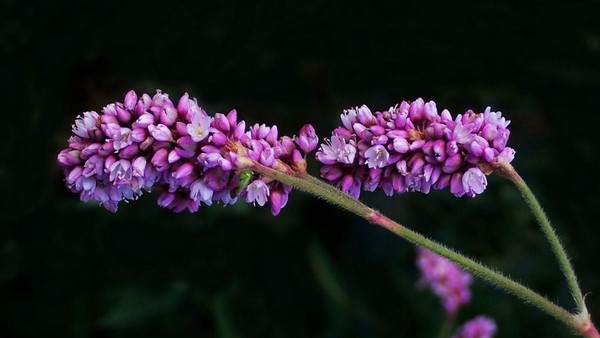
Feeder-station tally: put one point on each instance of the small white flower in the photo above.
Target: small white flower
(377, 156)
(199, 127)
(200, 191)
(336, 151)
(257, 192)
(86, 125)
(474, 182)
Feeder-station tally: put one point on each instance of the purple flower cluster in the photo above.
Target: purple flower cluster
(445, 279)
(478, 327)
(148, 143)
(412, 147)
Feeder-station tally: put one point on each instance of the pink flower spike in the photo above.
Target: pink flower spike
(146, 143)
(445, 279)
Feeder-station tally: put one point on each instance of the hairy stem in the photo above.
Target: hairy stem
(559, 251)
(325, 191)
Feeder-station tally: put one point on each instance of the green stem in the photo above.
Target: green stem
(559, 251)
(327, 192)
(446, 328)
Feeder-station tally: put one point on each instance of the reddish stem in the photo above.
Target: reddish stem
(588, 330)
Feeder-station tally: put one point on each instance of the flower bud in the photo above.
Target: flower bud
(307, 138)
(130, 100)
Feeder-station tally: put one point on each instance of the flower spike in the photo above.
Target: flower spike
(412, 147)
(147, 143)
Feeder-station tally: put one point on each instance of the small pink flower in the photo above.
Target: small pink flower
(478, 327)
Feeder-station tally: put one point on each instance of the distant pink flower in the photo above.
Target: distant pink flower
(479, 327)
(445, 279)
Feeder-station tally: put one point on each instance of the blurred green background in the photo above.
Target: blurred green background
(68, 269)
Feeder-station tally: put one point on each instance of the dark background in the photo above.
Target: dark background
(68, 269)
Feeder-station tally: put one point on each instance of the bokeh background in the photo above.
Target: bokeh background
(68, 269)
